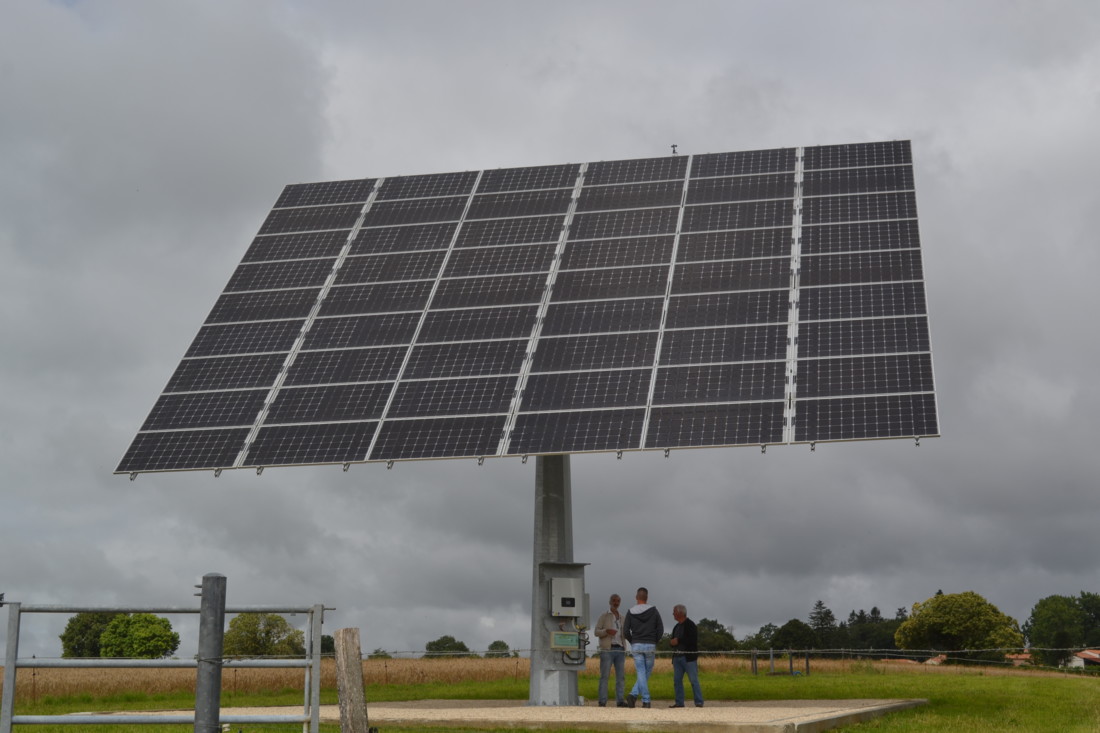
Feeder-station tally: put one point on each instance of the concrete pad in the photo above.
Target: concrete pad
(755, 716)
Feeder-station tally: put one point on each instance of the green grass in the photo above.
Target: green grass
(966, 700)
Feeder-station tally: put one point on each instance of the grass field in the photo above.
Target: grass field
(965, 699)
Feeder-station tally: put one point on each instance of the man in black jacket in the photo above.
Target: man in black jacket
(685, 657)
(643, 629)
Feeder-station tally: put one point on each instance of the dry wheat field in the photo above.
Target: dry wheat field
(39, 683)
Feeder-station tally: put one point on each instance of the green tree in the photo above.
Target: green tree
(497, 649)
(328, 644)
(1090, 605)
(81, 635)
(1056, 624)
(762, 639)
(380, 653)
(446, 645)
(138, 636)
(795, 635)
(960, 622)
(823, 622)
(714, 637)
(263, 635)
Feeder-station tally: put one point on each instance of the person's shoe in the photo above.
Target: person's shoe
(620, 705)
(698, 704)
(675, 706)
(645, 704)
(603, 704)
(631, 699)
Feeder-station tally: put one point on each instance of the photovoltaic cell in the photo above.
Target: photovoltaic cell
(466, 359)
(412, 211)
(453, 397)
(353, 332)
(605, 351)
(750, 215)
(720, 383)
(523, 203)
(296, 246)
(860, 237)
(346, 365)
(744, 162)
(279, 275)
(375, 240)
(263, 304)
(861, 207)
(861, 267)
(857, 180)
(636, 171)
(638, 314)
(380, 268)
(433, 184)
(709, 277)
(751, 423)
(331, 403)
(774, 242)
(311, 218)
(293, 445)
(576, 432)
(494, 290)
(864, 336)
(580, 390)
(513, 258)
(741, 188)
(438, 437)
(714, 345)
(861, 418)
(245, 338)
(624, 223)
(624, 282)
(182, 450)
(631, 196)
(329, 192)
(510, 231)
(617, 252)
(521, 179)
(232, 372)
(896, 152)
(737, 298)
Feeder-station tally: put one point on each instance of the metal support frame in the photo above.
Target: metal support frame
(209, 663)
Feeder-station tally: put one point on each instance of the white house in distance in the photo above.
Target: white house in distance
(1086, 658)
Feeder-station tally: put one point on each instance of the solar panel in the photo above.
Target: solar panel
(742, 298)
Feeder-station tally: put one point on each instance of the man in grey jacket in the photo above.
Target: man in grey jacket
(643, 629)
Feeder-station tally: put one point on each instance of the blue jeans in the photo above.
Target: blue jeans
(644, 656)
(609, 658)
(680, 667)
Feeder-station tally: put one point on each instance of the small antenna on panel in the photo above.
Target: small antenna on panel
(674, 149)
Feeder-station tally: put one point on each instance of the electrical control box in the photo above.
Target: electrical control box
(565, 640)
(567, 597)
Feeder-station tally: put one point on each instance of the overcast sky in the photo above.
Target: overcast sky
(142, 144)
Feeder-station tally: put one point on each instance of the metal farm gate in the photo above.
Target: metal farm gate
(209, 663)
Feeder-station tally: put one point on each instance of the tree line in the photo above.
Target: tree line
(963, 623)
(147, 636)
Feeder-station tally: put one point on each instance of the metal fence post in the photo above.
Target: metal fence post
(208, 680)
(8, 706)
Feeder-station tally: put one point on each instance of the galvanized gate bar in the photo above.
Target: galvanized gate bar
(311, 664)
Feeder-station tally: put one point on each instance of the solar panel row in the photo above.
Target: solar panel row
(743, 298)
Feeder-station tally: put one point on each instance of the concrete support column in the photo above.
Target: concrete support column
(551, 684)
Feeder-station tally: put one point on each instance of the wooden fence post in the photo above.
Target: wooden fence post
(349, 682)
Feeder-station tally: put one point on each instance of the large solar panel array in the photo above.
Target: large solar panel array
(743, 298)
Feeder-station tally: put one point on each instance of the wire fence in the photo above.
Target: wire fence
(413, 667)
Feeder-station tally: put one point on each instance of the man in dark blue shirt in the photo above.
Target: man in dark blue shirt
(685, 657)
